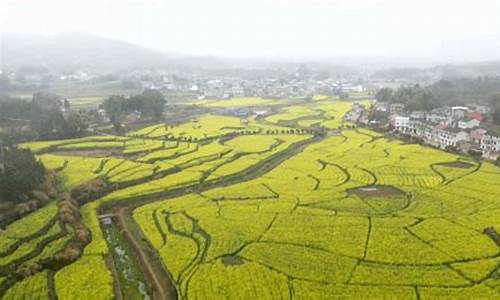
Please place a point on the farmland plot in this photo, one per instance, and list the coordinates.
(352, 215)
(318, 235)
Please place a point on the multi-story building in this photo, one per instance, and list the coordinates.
(490, 143)
(402, 124)
(458, 112)
(396, 108)
(468, 124)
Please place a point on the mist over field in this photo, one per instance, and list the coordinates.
(382, 32)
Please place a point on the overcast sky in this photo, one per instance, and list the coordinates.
(448, 30)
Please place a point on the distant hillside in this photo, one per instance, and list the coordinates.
(76, 51)
(472, 70)
(69, 52)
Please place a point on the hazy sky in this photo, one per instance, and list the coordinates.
(444, 29)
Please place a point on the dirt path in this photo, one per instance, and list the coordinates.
(160, 280)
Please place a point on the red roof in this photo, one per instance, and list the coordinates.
(476, 115)
(441, 126)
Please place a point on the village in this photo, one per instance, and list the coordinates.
(466, 129)
(178, 84)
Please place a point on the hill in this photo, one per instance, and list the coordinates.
(77, 51)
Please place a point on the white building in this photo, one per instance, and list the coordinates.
(349, 87)
(237, 91)
(458, 112)
(490, 143)
(260, 112)
(435, 117)
(381, 106)
(402, 124)
(451, 137)
(396, 108)
(418, 115)
(468, 124)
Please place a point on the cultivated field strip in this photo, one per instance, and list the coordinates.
(319, 236)
(265, 208)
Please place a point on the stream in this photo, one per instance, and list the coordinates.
(132, 282)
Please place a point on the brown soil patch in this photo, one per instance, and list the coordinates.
(232, 260)
(376, 191)
(457, 164)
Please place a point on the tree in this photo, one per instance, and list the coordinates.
(22, 173)
(154, 104)
(343, 96)
(495, 108)
(76, 126)
(150, 104)
(67, 105)
(46, 100)
(421, 100)
(114, 107)
(384, 95)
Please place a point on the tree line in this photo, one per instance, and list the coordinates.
(150, 105)
(485, 91)
(413, 97)
(40, 118)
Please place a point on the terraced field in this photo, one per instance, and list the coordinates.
(223, 207)
(319, 240)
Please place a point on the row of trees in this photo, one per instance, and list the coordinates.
(42, 118)
(413, 97)
(150, 104)
(443, 93)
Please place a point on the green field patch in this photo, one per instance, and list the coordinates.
(301, 262)
(459, 164)
(178, 254)
(475, 292)
(292, 113)
(339, 234)
(87, 278)
(313, 290)
(440, 275)
(32, 287)
(42, 146)
(242, 191)
(237, 282)
(30, 246)
(142, 145)
(180, 149)
(92, 146)
(478, 270)
(237, 102)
